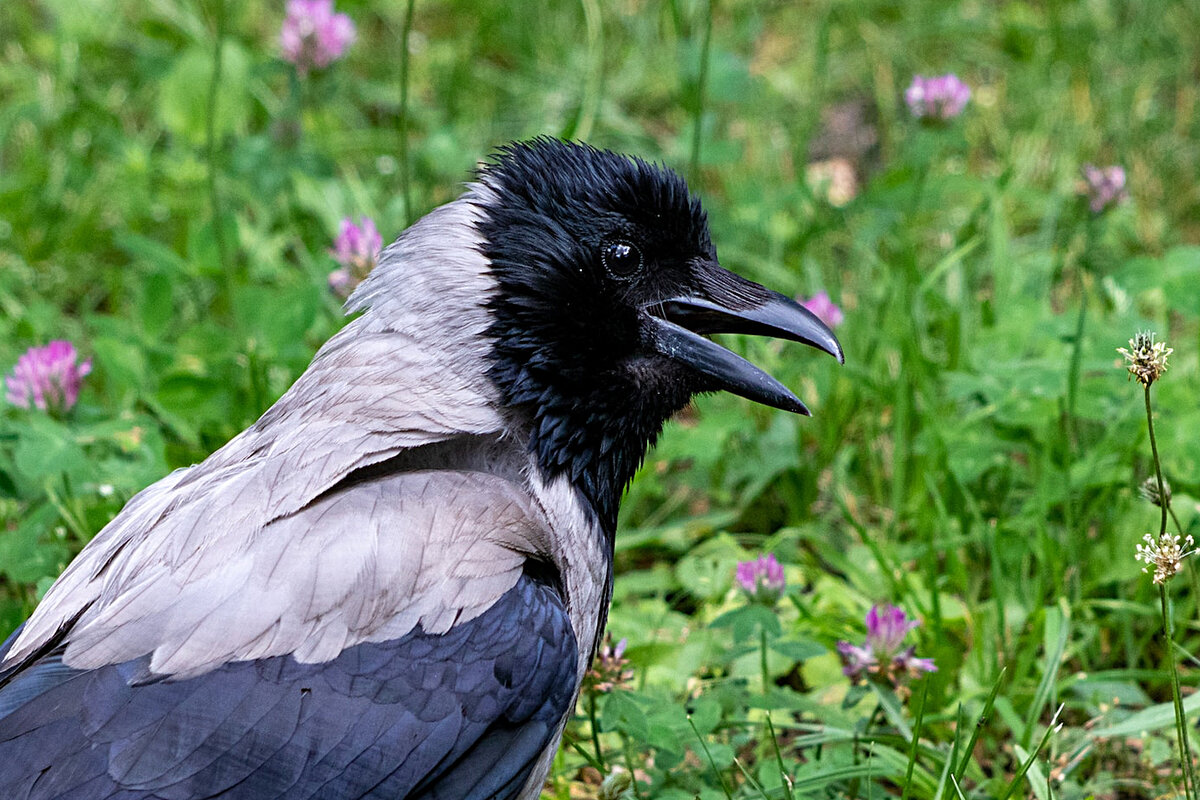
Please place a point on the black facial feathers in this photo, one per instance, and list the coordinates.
(553, 178)
(581, 241)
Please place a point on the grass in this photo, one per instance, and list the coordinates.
(975, 461)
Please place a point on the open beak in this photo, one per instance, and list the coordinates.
(729, 303)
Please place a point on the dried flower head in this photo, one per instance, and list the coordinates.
(762, 579)
(312, 36)
(1164, 553)
(883, 654)
(941, 97)
(825, 309)
(835, 179)
(47, 378)
(617, 785)
(1147, 358)
(610, 668)
(1104, 187)
(357, 250)
(1149, 492)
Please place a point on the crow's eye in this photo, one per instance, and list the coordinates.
(622, 259)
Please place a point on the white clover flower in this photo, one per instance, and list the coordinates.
(1147, 358)
(1164, 553)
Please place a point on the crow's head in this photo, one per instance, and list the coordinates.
(607, 283)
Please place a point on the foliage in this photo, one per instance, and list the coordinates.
(975, 461)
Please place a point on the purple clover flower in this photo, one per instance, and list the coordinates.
(883, 653)
(761, 579)
(357, 250)
(825, 309)
(47, 378)
(610, 669)
(939, 98)
(312, 36)
(1104, 187)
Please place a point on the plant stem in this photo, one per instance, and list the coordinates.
(210, 135)
(1185, 751)
(1024, 768)
(708, 755)
(766, 673)
(784, 778)
(1076, 359)
(1070, 426)
(637, 790)
(596, 733)
(405, 167)
(589, 103)
(74, 520)
(1181, 733)
(1089, 236)
(1162, 505)
(960, 769)
(701, 85)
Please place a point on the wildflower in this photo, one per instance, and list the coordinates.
(1104, 187)
(761, 579)
(941, 97)
(824, 308)
(610, 669)
(1147, 358)
(835, 179)
(47, 378)
(1149, 492)
(882, 653)
(313, 37)
(1165, 553)
(357, 250)
(617, 785)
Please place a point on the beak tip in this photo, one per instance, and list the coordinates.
(796, 406)
(830, 344)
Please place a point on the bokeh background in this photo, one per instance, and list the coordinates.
(976, 462)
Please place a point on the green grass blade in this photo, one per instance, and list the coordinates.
(1057, 632)
(916, 738)
(708, 755)
(784, 778)
(984, 716)
(1053, 727)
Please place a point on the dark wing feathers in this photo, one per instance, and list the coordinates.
(461, 715)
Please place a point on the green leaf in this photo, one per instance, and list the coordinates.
(122, 363)
(621, 713)
(748, 620)
(1147, 720)
(31, 552)
(151, 252)
(707, 576)
(798, 649)
(157, 304)
(275, 320)
(183, 93)
(705, 714)
(46, 448)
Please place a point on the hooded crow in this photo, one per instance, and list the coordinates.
(392, 584)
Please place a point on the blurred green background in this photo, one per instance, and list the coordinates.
(976, 460)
